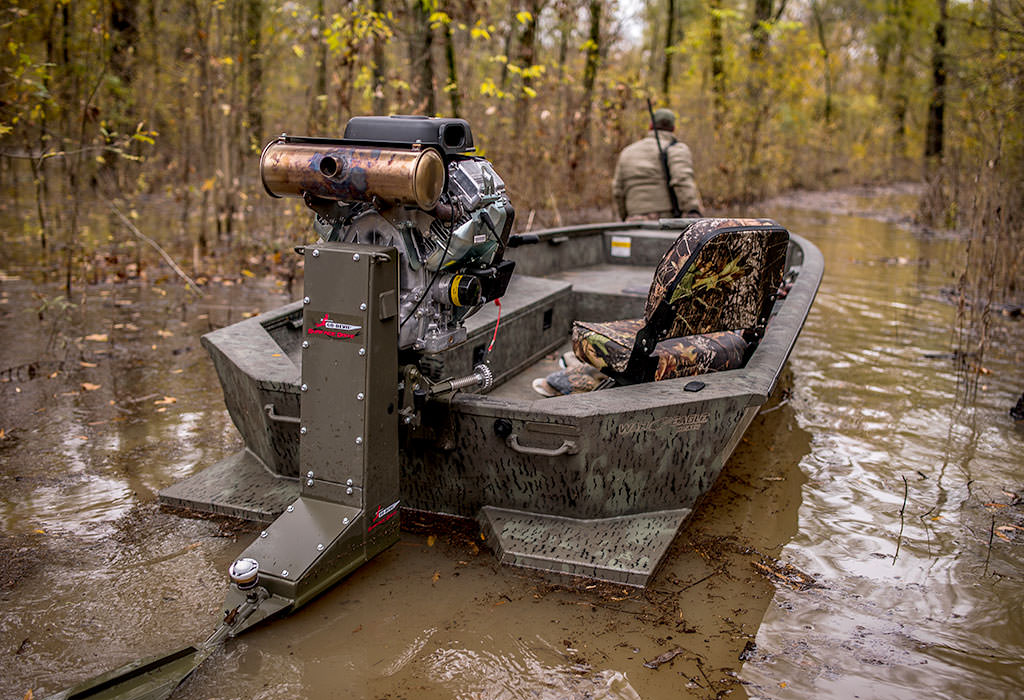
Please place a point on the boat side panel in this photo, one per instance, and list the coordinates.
(617, 463)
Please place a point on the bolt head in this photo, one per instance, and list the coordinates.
(302, 430)
(349, 483)
(305, 344)
(309, 482)
(290, 508)
(263, 534)
(284, 572)
(349, 490)
(319, 548)
(360, 396)
(305, 300)
(309, 474)
(344, 521)
(362, 351)
(355, 256)
(362, 307)
(316, 253)
(408, 420)
(359, 440)
(304, 387)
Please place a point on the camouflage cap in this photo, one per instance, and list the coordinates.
(664, 119)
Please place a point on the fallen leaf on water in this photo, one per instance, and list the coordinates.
(40, 532)
(995, 505)
(782, 684)
(248, 273)
(1002, 536)
(88, 386)
(28, 695)
(500, 602)
(664, 658)
(2, 434)
(161, 409)
(177, 371)
(82, 437)
(357, 629)
(431, 540)
(276, 354)
(54, 375)
(164, 334)
(97, 337)
(83, 363)
(437, 575)
(165, 400)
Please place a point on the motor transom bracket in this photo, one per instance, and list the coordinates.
(348, 508)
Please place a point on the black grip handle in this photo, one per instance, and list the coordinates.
(519, 239)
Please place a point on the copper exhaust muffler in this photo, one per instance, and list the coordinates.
(330, 170)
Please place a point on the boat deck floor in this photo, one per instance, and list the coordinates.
(608, 279)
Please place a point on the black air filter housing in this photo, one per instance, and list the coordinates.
(449, 136)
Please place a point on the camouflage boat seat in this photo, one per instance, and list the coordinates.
(707, 306)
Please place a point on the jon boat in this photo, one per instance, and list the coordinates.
(407, 377)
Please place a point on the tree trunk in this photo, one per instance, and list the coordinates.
(254, 75)
(421, 46)
(593, 46)
(717, 52)
(317, 120)
(670, 40)
(452, 87)
(380, 62)
(937, 102)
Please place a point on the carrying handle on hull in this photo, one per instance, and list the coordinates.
(274, 415)
(567, 447)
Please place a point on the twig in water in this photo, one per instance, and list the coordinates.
(903, 508)
(991, 532)
(167, 258)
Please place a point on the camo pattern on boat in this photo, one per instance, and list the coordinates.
(736, 264)
(609, 345)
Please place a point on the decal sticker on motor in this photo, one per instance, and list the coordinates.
(383, 515)
(335, 329)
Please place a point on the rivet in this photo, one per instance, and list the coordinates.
(349, 490)
(360, 396)
(362, 307)
(305, 300)
(355, 256)
(309, 474)
(284, 572)
(305, 344)
(316, 253)
(309, 482)
(350, 483)
(359, 440)
(344, 521)
(263, 534)
(319, 548)
(362, 351)
(304, 387)
(290, 508)
(302, 430)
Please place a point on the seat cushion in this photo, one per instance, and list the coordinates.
(608, 346)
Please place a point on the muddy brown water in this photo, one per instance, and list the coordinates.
(791, 562)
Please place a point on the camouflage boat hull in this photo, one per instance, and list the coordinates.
(591, 484)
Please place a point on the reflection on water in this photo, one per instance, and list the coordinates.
(871, 453)
(880, 395)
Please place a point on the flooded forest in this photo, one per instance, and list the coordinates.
(865, 538)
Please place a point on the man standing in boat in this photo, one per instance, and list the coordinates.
(654, 176)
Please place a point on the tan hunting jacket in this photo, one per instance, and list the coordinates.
(638, 186)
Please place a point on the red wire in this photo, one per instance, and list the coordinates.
(497, 302)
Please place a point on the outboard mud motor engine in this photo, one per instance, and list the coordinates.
(407, 182)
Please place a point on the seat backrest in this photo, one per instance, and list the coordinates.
(719, 275)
